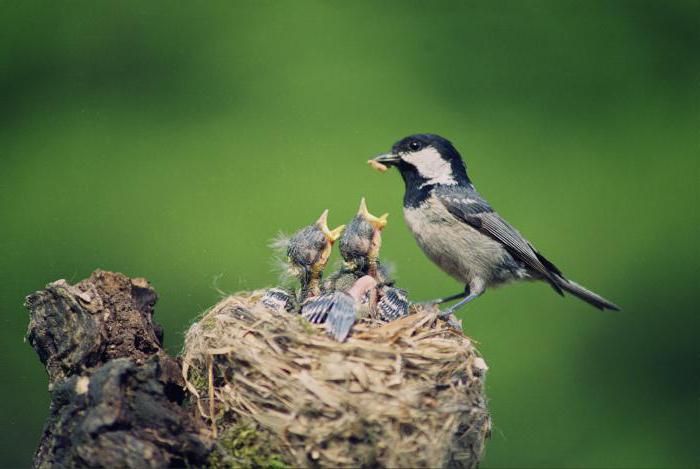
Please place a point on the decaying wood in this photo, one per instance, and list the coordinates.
(115, 394)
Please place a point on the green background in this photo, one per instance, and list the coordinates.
(172, 140)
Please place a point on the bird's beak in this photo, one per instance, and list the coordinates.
(382, 162)
(331, 235)
(377, 222)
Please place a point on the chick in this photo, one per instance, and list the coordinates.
(338, 309)
(362, 240)
(359, 246)
(307, 255)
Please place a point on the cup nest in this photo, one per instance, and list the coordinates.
(409, 393)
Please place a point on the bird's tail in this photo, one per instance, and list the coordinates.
(586, 295)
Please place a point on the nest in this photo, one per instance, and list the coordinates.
(409, 393)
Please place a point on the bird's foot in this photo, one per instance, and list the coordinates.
(446, 313)
(453, 309)
(452, 321)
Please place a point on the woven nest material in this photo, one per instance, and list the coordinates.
(409, 393)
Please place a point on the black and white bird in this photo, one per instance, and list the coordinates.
(459, 231)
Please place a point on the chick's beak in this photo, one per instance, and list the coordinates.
(382, 162)
(378, 222)
(331, 235)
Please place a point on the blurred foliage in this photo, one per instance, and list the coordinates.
(172, 140)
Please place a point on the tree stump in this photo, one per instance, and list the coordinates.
(116, 396)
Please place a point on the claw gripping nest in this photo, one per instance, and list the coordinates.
(409, 393)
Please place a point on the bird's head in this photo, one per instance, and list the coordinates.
(424, 160)
(309, 248)
(378, 223)
(361, 241)
(329, 236)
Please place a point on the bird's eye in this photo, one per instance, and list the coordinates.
(415, 145)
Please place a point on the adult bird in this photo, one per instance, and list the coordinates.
(459, 231)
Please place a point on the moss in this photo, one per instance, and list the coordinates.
(197, 379)
(244, 445)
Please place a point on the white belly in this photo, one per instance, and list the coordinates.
(458, 249)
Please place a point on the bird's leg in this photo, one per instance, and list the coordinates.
(445, 299)
(452, 309)
(472, 291)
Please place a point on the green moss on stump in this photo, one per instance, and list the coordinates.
(244, 445)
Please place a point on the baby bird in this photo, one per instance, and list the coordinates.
(338, 309)
(359, 246)
(362, 240)
(307, 254)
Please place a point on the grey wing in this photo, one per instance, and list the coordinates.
(341, 317)
(471, 208)
(278, 299)
(393, 305)
(316, 309)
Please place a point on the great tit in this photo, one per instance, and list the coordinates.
(459, 231)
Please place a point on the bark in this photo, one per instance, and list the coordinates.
(116, 396)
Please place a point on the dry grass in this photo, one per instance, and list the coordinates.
(409, 393)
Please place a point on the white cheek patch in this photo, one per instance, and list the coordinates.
(430, 166)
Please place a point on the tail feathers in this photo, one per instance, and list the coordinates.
(586, 295)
